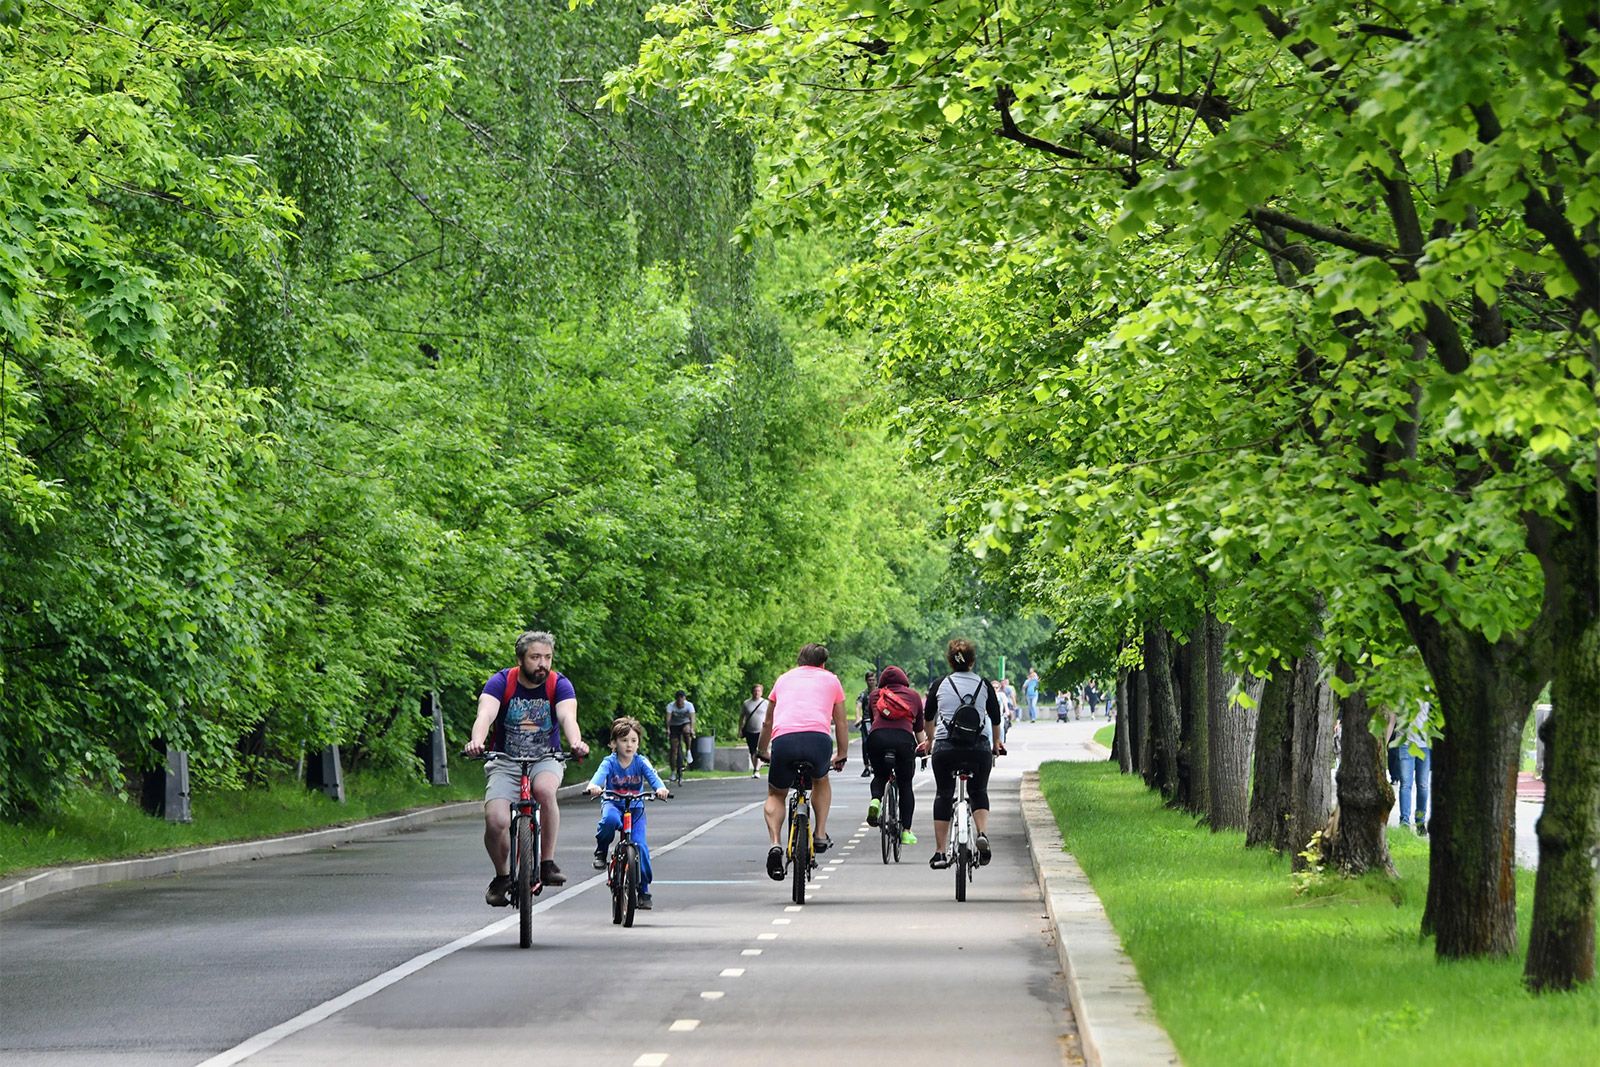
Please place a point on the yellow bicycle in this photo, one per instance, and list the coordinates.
(800, 854)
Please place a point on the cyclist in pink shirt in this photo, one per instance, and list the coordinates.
(805, 702)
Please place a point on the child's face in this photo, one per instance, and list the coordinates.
(626, 745)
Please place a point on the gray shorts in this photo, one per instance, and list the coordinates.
(505, 778)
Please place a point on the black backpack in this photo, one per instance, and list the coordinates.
(963, 727)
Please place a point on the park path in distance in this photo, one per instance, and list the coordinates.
(881, 966)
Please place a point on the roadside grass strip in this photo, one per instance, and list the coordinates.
(1242, 970)
(1106, 734)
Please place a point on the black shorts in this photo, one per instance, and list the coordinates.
(815, 748)
(676, 730)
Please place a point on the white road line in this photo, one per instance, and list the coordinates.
(750, 952)
(651, 1059)
(711, 994)
(310, 1017)
(732, 972)
(683, 1025)
(766, 937)
(781, 922)
(792, 907)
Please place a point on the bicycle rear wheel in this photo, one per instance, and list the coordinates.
(963, 861)
(527, 858)
(630, 902)
(800, 860)
(886, 829)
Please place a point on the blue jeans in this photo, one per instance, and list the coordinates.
(1414, 772)
(611, 822)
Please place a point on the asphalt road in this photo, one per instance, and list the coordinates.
(383, 952)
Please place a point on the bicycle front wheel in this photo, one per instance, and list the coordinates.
(630, 902)
(527, 858)
(616, 881)
(800, 860)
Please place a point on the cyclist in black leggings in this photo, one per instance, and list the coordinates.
(897, 727)
(950, 758)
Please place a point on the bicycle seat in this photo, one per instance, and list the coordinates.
(803, 768)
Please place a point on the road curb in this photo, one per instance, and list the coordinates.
(25, 889)
(1116, 1023)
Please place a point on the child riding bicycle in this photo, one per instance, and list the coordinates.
(625, 771)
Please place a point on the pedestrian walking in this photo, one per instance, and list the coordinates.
(752, 713)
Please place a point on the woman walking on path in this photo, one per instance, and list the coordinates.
(898, 728)
(958, 705)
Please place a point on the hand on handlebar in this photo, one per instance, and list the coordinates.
(663, 793)
(839, 760)
(474, 748)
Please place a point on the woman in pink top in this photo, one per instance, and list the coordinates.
(805, 702)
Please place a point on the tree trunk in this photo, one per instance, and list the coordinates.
(1269, 803)
(1163, 708)
(1196, 746)
(1123, 749)
(1561, 945)
(1230, 735)
(1311, 801)
(1144, 747)
(1485, 692)
(1358, 840)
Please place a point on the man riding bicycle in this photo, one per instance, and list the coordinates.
(524, 711)
(806, 701)
(680, 733)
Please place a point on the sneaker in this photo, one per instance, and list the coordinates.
(824, 843)
(872, 812)
(775, 863)
(907, 837)
(550, 874)
(984, 856)
(1422, 829)
(499, 892)
(866, 772)
(645, 903)
(600, 858)
(939, 861)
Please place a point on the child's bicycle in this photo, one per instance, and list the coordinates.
(800, 855)
(525, 838)
(623, 873)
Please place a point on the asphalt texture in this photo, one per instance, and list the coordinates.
(881, 966)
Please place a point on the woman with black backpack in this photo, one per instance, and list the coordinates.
(965, 713)
(898, 727)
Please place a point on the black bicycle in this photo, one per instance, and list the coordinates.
(624, 866)
(525, 838)
(889, 813)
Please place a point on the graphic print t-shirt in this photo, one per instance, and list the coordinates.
(633, 778)
(529, 722)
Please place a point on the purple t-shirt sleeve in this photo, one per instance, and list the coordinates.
(496, 686)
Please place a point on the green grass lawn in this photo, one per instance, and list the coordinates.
(94, 825)
(1244, 971)
(1106, 733)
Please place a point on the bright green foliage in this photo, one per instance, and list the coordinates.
(342, 342)
(1303, 302)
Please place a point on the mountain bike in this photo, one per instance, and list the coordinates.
(525, 840)
(623, 868)
(963, 856)
(800, 853)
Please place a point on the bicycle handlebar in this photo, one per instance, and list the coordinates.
(611, 794)
(488, 754)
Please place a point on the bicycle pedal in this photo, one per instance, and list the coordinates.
(538, 888)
